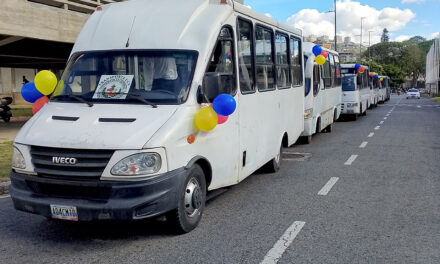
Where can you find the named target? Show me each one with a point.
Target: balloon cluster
(207, 118)
(36, 92)
(320, 55)
(359, 68)
(374, 75)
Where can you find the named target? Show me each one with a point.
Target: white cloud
(434, 35)
(349, 15)
(412, 1)
(402, 38)
(268, 15)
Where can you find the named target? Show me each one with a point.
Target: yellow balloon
(59, 88)
(381, 79)
(206, 119)
(45, 81)
(320, 60)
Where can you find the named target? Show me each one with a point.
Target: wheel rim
(278, 157)
(193, 197)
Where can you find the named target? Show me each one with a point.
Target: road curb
(4, 187)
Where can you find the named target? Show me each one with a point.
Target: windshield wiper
(130, 96)
(78, 98)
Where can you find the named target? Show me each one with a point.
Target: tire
(191, 202)
(329, 128)
(307, 139)
(275, 164)
(364, 113)
(354, 117)
(7, 119)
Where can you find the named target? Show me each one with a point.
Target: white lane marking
(328, 186)
(5, 196)
(274, 255)
(387, 115)
(377, 128)
(364, 144)
(385, 118)
(419, 106)
(381, 122)
(350, 160)
(371, 134)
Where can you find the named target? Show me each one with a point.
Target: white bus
(131, 150)
(382, 89)
(374, 91)
(355, 91)
(322, 101)
(385, 87)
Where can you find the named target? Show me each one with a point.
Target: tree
(396, 75)
(385, 37)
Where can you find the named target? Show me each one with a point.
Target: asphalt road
(381, 206)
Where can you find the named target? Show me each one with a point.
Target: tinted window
(327, 76)
(316, 79)
(264, 64)
(282, 61)
(245, 56)
(348, 83)
(295, 61)
(332, 69)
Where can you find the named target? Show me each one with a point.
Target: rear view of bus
(355, 91)
(322, 94)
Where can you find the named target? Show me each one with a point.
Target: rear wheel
(354, 117)
(307, 139)
(275, 164)
(191, 202)
(329, 128)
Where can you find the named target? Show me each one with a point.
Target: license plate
(64, 212)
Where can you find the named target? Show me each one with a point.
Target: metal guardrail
(82, 6)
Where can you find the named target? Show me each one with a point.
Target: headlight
(308, 113)
(352, 104)
(18, 161)
(138, 164)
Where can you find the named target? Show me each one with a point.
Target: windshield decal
(113, 87)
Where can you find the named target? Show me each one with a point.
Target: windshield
(348, 83)
(161, 77)
(413, 90)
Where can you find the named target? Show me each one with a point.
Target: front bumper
(98, 200)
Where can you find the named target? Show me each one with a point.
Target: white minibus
(322, 91)
(119, 140)
(385, 84)
(374, 91)
(355, 91)
(382, 89)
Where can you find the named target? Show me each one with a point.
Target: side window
(327, 73)
(316, 79)
(245, 56)
(222, 60)
(282, 61)
(332, 69)
(359, 81)
(264, 64)
(365, 80)
(295, 61)
(337, 70)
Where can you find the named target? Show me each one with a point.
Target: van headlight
(18, 161)
(138, 164)
(308, 113)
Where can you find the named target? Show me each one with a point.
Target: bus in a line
(355, 91)
(322, 101)
(119, 141)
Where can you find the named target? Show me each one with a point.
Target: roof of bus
(383, 76)
(159, 24)
(308, 46)
(351, 65)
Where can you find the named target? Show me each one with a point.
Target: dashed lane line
(363, 145)
(351, 160)
(5, 196)
(381, 122)
(274, 255)
(371, 134)
(377, 128)
(385, 118)
(328, 186)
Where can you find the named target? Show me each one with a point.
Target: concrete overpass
(36, 35)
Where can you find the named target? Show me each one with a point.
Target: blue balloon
(376, 76)
(317, 50)
(30, 93)
(357, 66)
(224, 104)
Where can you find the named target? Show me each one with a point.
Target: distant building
(347, 40)
(348, 56)
(433, 68)
(324, 39)
(338, 39)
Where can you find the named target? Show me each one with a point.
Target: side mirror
(212, 85)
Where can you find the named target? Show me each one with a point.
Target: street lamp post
(360, 43)
(334, 11)
(369, 44)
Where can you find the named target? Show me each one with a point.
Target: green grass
(5, 160)
(21, 110)
(437, 99)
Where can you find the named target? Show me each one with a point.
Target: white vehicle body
(382, 89)
(265, 117)
(322, 101)
(413, 93)
(385, 83)
(355, 90)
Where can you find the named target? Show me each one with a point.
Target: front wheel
(329, 128)
(275, 164)
(191, 202)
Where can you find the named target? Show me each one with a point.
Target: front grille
(90, 163)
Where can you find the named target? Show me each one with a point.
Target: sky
(402, 18)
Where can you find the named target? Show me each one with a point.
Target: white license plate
(64, 212)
